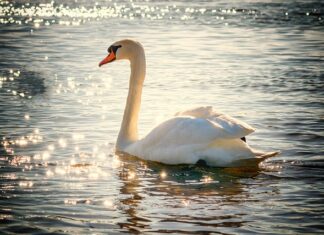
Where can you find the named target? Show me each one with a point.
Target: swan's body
(190, 136)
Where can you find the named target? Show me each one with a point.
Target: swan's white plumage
(196, 134)
(234, 127)
(202, 134)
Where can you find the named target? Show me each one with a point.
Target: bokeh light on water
(260, 61)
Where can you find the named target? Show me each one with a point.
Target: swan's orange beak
(111, 57)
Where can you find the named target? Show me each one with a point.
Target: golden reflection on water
(66, 155)
(26, 184)
(130, 187)
(142, 184)
(109, 204)
(163, 174)
(62, 142)
(135, 175)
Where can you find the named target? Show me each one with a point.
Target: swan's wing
(201, 112)
(187, 130)
(176, 140)
(184, 140)
(234, 127)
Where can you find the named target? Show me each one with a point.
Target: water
(260, 61)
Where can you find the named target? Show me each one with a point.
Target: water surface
(260, 61)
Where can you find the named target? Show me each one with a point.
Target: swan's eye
(113, 48)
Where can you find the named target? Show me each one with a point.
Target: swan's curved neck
(128, 131)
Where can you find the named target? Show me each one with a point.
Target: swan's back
(186, 140)
(234, 127)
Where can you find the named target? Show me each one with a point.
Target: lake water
(259, 61)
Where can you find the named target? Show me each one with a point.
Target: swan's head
(124, 49)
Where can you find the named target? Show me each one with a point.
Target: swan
(196, 135)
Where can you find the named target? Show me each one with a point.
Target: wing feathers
(234, 128)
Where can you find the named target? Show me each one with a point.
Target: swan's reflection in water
(177, 199)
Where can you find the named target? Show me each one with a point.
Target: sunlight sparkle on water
(62, 142)
(131, 175)
(116, 163)
(49, 173)
(51, 147)
(46, 155)
(185, 202)
(207, 179)
(22, 142)
(70, 201)
(44, 15)
(93, 175)
(163, 174)
(101, 156)
(77, 136)
(26, 184)
(65, 175)
(60, 171)
(109, 204)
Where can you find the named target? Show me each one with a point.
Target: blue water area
(260, 61)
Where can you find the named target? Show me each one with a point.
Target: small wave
(318, 163)
(309, 164)
(306, 136)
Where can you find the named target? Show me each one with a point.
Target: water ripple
(259, 61)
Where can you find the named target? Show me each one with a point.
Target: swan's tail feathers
(262, 157)
(253, 162)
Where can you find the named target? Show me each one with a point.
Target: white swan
(190, 136)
